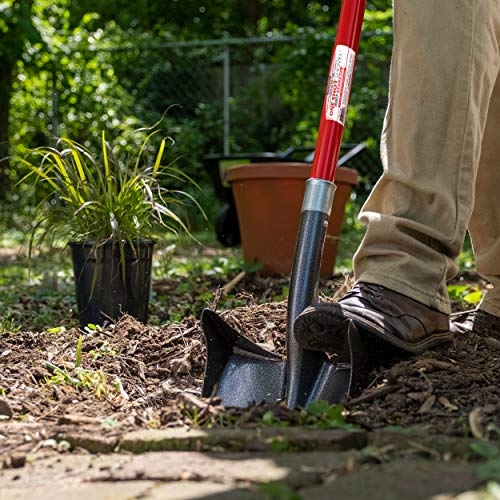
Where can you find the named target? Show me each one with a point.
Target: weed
(103, 351)
(91, 328)
(270, 420)
(278, 491)
(57, 329)
(283, 295)
(317, 414)
(490, 469)
(78, 353)
(8, 325)
(281, 444)
(322, 415)
(94, 380)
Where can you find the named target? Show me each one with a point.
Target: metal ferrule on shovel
(241, 372)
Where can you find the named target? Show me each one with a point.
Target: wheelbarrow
(238, 370)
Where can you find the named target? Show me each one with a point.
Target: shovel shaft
(303, 366)
(338, 89)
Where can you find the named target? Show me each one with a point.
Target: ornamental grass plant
(101, 198)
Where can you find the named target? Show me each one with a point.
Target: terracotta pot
(268, 201)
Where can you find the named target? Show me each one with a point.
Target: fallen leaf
(447, 404)
(428, 404)
(476, 424)
(5, 408)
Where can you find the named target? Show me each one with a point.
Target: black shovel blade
(239, 371)
(242, 373)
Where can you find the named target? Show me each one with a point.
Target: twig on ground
(375, 393)
(232, 284)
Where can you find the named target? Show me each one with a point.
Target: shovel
(239, 371)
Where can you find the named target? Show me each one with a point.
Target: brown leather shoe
(394, 318)
(476, 320)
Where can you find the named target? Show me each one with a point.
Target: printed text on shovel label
(339, 84)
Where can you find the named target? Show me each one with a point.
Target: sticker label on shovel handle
(339, 83)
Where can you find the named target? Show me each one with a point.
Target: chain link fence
(251, 95)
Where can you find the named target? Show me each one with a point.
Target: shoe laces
(368, 290)
(464, 315)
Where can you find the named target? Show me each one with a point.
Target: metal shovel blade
(242, 373)
(237, 370)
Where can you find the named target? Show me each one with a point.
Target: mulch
(133, 376)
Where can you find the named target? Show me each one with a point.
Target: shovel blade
(242, 373)
(246, 381)
(239, 371)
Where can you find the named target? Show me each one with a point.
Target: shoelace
(373, 291)
(463, 314)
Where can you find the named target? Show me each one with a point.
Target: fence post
(227, 96)
(55, 107)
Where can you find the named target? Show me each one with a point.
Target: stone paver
(403, 479)
(65, 469)
(237, 439)
(80, 491)
(296, 469)
(218, 469)
(184, 490)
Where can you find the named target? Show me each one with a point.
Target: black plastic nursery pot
(103, 291)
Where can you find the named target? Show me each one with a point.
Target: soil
(131, 376)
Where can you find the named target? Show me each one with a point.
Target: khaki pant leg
(444, 66)
(484, 225)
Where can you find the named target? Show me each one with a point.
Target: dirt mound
(132, 375)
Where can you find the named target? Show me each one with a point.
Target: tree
(16, 28)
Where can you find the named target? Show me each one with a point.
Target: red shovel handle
(338, 89)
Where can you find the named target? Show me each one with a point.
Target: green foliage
(278, 491)
(62, 87)
(490, 469)
(215, 19)
(470, 294)
(322, 415)
(101, 198)
(94, 380)
(16, 26)
(78, 354)
(317, 414)
(68, 82)
(8, 324)
(282, 101)
(81, 378)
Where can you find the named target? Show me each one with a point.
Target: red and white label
(339, 83)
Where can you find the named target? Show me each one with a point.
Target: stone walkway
(286, 464)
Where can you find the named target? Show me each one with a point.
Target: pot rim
(284, 170)
(85, 243)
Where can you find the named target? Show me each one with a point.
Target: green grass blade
(78, 354)
(159, 156)
(42, 175)
(106, 162)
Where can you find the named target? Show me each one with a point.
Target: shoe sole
(325, 330)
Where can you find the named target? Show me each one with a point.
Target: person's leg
(444, 67)
(484, 227)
